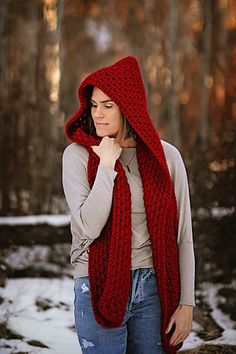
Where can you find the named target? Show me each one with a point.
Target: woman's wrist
(110, 163)
(186, 306)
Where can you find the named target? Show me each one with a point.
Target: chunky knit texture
(110, 254)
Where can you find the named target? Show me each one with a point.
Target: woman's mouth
(101, 123)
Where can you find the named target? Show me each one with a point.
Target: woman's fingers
(170, 324)
(179, 337)
(108, 148)
(183, 324)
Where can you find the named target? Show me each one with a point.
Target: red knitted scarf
(109, 261)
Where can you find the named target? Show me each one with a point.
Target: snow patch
(52, 327)
(53, 220)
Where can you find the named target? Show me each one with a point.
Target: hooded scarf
(109, 256)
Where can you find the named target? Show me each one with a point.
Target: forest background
(187, 54)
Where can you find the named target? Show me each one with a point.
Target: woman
(132, 245)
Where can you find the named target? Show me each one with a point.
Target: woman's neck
(130, 142)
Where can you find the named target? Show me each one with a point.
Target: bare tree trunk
(173, 93)
(18, 97)
(29, 88)
(48, 46)
(205, 81)
(44, 185)
(4, 170)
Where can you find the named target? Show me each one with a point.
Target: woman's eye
(94, 106)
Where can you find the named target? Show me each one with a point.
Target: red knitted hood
(123, 83)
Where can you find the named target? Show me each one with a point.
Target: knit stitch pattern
(109, 260)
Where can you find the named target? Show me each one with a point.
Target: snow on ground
(55, 326)
(219, 212)
(64, 219)
(24, 256)
(54, 220)
(51, 327)
(223, 320)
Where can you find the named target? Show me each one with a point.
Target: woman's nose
(98, 112)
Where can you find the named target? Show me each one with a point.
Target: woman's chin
(101, 135)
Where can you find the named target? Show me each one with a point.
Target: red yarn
(109, 260)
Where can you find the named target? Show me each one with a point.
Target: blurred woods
(187, 52)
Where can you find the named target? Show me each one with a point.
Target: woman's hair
(125, 132)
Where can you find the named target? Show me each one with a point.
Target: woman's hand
(182, 317)
(108, 151)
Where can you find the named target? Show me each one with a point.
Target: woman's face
(105, 113)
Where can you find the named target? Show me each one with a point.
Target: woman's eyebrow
(101, 101)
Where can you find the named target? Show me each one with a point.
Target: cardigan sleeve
(185, 235)
(89, 208)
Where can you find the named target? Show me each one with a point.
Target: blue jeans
(139, 332)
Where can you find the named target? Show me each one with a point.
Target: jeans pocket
(148, 273)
